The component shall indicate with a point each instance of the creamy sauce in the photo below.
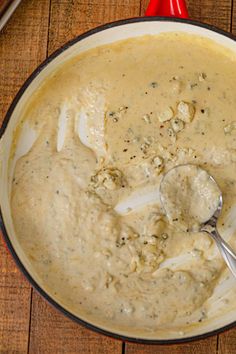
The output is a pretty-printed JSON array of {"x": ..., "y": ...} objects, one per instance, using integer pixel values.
[
  {"x": 108, "y": 125},
  {"x": 189, "y": 196}
]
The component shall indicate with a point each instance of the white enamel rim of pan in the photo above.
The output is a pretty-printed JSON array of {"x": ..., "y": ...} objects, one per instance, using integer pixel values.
[{"x": 105, "y": 34}]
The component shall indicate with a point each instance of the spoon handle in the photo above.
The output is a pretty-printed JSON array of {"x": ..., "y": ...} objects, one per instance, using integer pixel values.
[
  {"x": 227, "y": 252},
  {"x": 169, "y": 8}
]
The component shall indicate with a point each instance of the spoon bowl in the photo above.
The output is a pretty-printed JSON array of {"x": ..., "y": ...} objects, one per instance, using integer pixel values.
[{"x": 188, "y": 195}]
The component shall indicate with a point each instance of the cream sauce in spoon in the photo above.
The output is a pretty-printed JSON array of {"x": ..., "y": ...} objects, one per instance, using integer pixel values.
[{"x": 190, "y": 196}]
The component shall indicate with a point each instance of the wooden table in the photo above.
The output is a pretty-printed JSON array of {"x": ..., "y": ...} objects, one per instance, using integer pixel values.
[{"x": 38, "y": 27}]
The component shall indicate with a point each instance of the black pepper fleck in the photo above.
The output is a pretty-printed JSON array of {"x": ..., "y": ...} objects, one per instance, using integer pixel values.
[{"x": 154, "y": 84}]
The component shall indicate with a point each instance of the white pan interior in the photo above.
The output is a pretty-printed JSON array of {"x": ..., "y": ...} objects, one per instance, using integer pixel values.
[{"x": 25, "y": 142}]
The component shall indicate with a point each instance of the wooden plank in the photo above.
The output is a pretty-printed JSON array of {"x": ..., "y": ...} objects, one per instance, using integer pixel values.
[
  {"x": 233, "y": 25},
  {"x": 22, "y": 47},
  {"x": 215, "y": 12},
  {"x": 14, "y": 306},
  {"x": 82, "y": 16},
  {"x": 227, "y": 342},
  {"x": 53, "y": 333},
  {"x": 205, "y": 346}
]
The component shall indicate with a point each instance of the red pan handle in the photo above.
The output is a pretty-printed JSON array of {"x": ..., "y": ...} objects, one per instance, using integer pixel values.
[{"x": 169, "y": 8}]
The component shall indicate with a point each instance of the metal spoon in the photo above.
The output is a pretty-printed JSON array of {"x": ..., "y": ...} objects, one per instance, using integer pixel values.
[{"x": 209, "y": 226}]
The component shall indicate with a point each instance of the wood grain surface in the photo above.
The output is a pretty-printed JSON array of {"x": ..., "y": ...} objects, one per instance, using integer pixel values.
[
  {"x": 28, "y": 324},
  {"x": 4, "y": 4},
  {"x": 53, "y": 333},
  {"x": 83, "y": 15},
  {"x": 233, "y": 18},
  {"x": 23, "y": 45}
]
